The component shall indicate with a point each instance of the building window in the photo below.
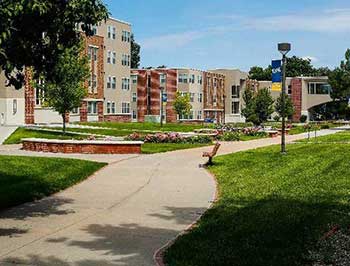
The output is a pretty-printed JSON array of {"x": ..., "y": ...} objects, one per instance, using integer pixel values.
[
  {"x": 192, "y": 79},
  {"x": 134, "y": 114},
  {"x": 114, "y": 82},
  {"x": 111, "y": 32},
  {"x": 199, "y": 115},
  {"x": 191, "y": 97},
  {"x": 75, "y": 111},
  {"x": 113, "y": 108},
  {"x": 200, "y": 79},
  {"x": 183, "y": 78},
  {"x": 109, "y": 57},
  {"x": 319, "y": 88},
  {"x": 94, "y": 82},
  {"x": 125, "y": 108},
  {"x": 114, "y": 58},
  {"x": 94, "y": 30},
  {"x": 235, "y": 91},
  {"x": 92, "y": 108},
  {"x": 39, "y": 96},
  {"x": 108, "y": 107},
  {"x": 162, "y": 78},
  {"x": 200, "y": 97},
  {"x": 290, "y": 89},
  {"x": 134, "y": 97},
  {"x": 126, "y": 36},
  {"x": 14, "y": 106},
  {"x": 235, "y": 108},
  {"x": 92, "y": 53},
  {"x": 109, "y": 82},
  {"x": 134, "y": 79},
  {"x": 126, "y": 84},
  {"x": 125, "y": 60}
]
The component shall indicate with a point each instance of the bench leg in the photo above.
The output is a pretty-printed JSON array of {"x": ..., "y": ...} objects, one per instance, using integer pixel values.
[{"x": 210, "y": 161}]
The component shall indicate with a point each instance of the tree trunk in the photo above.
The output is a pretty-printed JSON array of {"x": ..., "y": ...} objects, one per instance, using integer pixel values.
[{"x": 64, "y": 123}]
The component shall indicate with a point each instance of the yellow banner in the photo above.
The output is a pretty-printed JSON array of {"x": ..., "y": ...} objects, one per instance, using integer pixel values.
[{"x": 276, "y": 87}]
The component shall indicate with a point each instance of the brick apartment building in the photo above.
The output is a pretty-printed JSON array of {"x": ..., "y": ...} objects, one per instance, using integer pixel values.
[
  {"x": 108, "y": 87},
  {"x": 206, "y": 92}
]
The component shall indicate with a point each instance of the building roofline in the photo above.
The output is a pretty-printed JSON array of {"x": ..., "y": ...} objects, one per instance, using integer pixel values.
[{"x": 120, "y": 21}]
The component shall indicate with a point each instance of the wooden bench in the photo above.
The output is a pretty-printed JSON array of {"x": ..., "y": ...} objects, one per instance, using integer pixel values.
[
  {"x": 272, "y": 133},
  {"x": 212, "y": 154}
]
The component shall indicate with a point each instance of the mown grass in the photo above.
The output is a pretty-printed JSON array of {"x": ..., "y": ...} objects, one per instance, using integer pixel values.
[
  {"x": 273, "y": 210},
  {"x": 168, "y": 127},
  {"x": 338, "y": 137},
  {"x": 151, "y": 148},
  {"x": 25, "y": 179},
  {"x": 21, "y": 133}
]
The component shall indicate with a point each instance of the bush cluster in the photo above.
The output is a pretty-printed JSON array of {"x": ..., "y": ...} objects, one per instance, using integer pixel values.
[{"x": 168, "y": 138}]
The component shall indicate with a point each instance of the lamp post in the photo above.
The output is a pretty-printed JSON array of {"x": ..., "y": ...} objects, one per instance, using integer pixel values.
[
  {"x": 161, "y": 105},
  {"x": 284, "y": 48}
]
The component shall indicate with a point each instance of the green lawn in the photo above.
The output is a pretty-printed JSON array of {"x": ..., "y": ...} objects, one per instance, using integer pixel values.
[
  {"x": 170, "y": 127},
  {"x": 21, "y": 133},
  {"x": 150, "y": 148},
  {"x": 272, "y": 209},
  {"x": 338, "y": 137},
  {"x": 25, "y": 179}
]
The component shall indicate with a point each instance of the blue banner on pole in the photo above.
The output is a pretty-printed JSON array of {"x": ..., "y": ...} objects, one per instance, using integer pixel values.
[{"x": 276, "y": 71}]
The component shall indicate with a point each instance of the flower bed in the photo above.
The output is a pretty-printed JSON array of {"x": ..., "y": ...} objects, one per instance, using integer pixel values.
[{"x": 168, "y": 138}]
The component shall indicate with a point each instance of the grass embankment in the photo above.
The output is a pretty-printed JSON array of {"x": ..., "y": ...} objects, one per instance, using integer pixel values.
[
  {"x": 25, "y": 179},
  {"x": 22, "y": 133},
  {"x": 341, "y": 137},
  {"x": 273, "y": 210},
  {"x": 139, "y": 127},
  {"x": 151, "y": 148}
]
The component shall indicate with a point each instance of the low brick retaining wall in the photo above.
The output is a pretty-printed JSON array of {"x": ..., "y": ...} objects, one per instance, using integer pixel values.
[{"x": 82, "y": 146}]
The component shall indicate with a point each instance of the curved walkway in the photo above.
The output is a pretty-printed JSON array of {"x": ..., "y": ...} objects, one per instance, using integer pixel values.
[{"x": 120, "y": 216}]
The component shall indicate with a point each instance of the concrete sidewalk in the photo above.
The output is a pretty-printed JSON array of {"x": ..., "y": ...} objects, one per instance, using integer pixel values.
[
  {"x": 5, "y": 132},
  {"x": 120, "y": 216}
]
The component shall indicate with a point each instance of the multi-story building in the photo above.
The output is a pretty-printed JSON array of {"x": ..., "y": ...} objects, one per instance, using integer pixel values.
[
  {"x": 305, "y": 92},
  {"x": 206, "y": 91},
  {"x": 235, "y": 81},
  {"x": 109, "y": 88}
]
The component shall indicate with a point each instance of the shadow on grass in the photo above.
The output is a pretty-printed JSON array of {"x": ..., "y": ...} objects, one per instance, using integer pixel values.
[{"x": 273, "y": 231}]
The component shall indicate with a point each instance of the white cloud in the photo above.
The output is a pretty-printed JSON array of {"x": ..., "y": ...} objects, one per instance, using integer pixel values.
[
  {"x": 329, "y": 20},
  {"x": 172, "y": 41},
  {"x": 313, "y": 59}
]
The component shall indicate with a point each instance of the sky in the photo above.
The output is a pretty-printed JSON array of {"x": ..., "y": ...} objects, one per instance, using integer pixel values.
[{"x": 208, "y": 34}]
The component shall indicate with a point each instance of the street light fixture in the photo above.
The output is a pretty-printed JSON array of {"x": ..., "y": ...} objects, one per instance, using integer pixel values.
[{"x": 284, "y": 49}]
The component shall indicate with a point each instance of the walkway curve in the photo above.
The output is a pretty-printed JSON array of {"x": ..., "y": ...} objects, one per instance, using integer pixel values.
[{"x": 119, "y": 216}]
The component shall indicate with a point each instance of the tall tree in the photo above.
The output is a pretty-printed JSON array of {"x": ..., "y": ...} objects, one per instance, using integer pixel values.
[
  {"x": 258, "y": 106},
  {"x": 248, "y": 110},
  {"x": 260, "y": 73},
  {"x": 182, "y": 105},
  {"x": 35, "y": 33},
  {"x": 65, "y": 90},
  {"x": 263, "y": 105},
  {"x": 135, "y": 53},
  {"x": 339, "y": 80},
  {"x": 297, "y": 66},
  {"x": 289, "y": 107}
]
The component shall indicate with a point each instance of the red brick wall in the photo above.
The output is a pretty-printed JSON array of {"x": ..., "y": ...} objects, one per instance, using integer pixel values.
[
  {"x": 82, "y": 148},
  {"x": 296, "y": 96},
  {"x": 210, "y": 94},
  {"x": 117, "y": 118},
  {"x": 153, "y": 108},
  {"x": 29, "y": 98}
]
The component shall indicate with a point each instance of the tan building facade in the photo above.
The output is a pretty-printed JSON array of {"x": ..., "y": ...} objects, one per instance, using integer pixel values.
[
  {"x": 108, "y": 87},
  {"x": 235, "y": 81}
]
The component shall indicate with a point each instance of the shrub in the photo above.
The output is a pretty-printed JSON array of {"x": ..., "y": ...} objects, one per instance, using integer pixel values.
[
  {"x": 303, "y": 118},
  {"x": 276, "y": 118},
  {"x": 168, "y": 138},
  {"x": 325, "y": 126},
  {"x": 230, "y": 136}
]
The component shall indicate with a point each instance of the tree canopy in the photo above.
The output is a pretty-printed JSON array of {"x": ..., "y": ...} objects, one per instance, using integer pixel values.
[
  {"x": 339, "y": 80},
  {"x": 65, "y": 91},
  {"x": 35, "y": 33},
  {"x": 289, "y": 107},
  {"x": 296, "y": 67},
  {"x": 135, "y": 53},
  {"x": 182, "y": 105}
]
